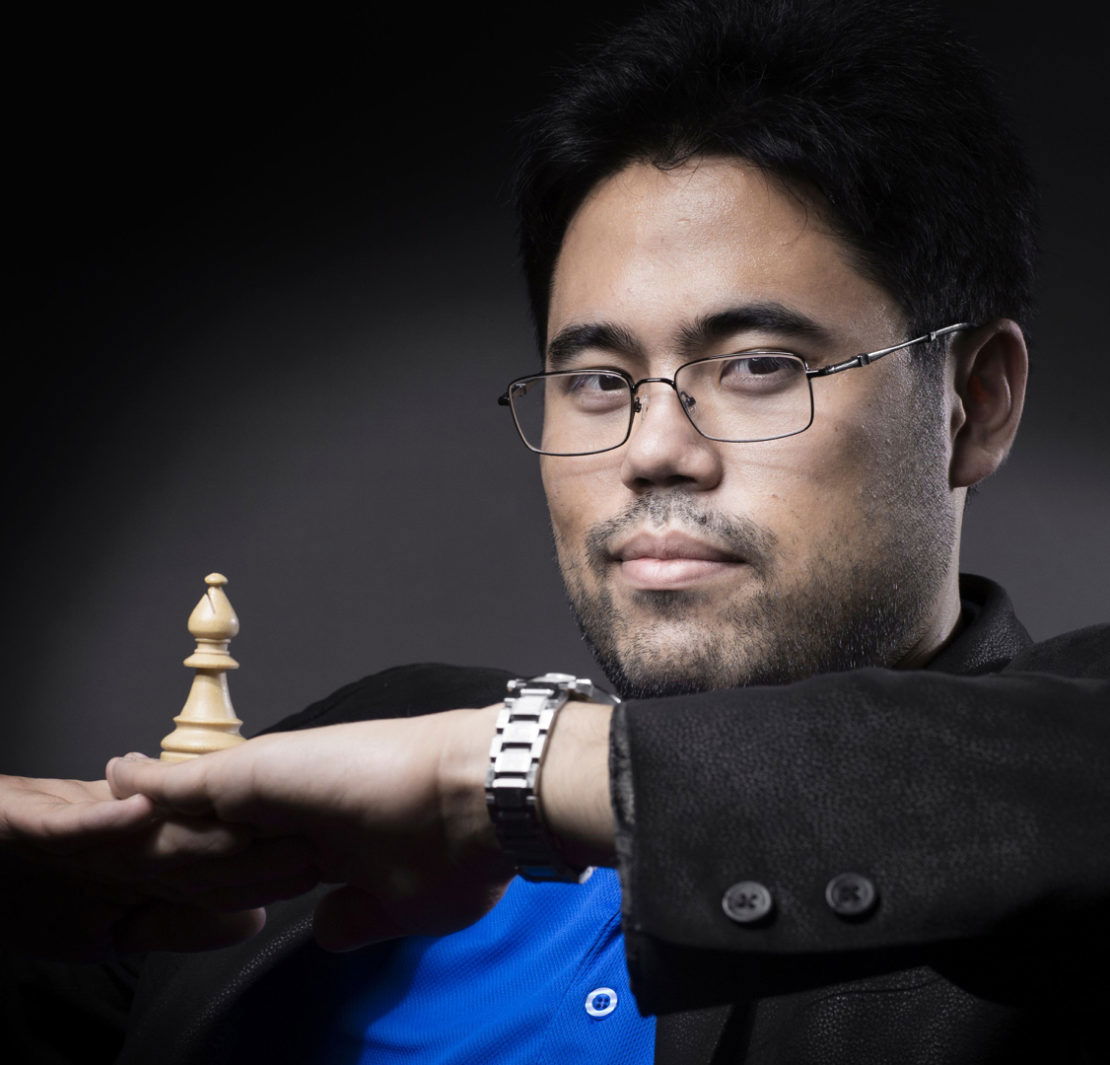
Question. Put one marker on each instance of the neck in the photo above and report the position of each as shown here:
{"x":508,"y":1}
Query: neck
{"x":940,"y":625}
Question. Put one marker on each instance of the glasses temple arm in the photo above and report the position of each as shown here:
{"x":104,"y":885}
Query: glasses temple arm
{"x":866,"y":358}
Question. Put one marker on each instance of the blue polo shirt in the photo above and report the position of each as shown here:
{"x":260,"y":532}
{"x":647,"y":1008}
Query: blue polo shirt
{"x":541,"y":979}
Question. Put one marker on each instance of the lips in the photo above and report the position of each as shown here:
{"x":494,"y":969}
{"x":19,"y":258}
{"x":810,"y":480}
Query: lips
{"x":657,"y":561}
{"x":671,"y":545}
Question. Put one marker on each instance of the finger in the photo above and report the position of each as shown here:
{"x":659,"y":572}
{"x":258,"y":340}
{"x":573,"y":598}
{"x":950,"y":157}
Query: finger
{"x":179,"y":842}
{"x":175,"y":927}
{"x":181,"y":786}
{"x":65,"y":828}
{"x":348,"y":918}
{"x":152,"y":858}
{"x":260,"y":861}
{"x":147,"y":858}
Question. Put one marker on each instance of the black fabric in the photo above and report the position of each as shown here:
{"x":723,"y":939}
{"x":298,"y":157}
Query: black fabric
{"x":403,"y":691}
{"x":54,"y":1013}
{"x":989,"y":634}
{"x":978,"y":805}
{"x":972,"y":793}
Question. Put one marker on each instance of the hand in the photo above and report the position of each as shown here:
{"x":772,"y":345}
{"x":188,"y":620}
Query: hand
{"x":84,"y":876}
{"x":394,"y":810}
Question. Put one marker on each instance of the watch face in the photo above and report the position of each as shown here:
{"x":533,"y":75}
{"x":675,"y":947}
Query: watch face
{"x":575,"y":687}
{"x":553,"y":683}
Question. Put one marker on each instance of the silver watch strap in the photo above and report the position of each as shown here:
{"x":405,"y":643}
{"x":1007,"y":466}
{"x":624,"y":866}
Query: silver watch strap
{"x":516,"y":754}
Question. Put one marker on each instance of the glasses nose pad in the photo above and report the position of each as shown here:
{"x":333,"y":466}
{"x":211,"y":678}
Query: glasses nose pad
{"x":640,"y":403}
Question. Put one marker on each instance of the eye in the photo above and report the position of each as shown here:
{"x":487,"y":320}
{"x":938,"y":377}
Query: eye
{"x":758,"y":372}
{"x":759,"y":365}
{"x":592,"y":392}
{"x":594,"y":382}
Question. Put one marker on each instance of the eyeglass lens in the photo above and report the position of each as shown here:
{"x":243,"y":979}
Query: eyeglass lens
{"x":738,"y":398}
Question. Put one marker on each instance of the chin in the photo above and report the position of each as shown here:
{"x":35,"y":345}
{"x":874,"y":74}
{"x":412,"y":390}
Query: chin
{"x":678,"y":657}
{"x":679,"y":643}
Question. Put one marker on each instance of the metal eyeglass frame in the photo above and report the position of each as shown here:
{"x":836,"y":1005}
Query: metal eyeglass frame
{"x":863,"y":359}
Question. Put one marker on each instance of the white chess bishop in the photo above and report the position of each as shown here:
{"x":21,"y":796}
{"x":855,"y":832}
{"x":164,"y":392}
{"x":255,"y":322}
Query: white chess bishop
{"x":207,"y":721}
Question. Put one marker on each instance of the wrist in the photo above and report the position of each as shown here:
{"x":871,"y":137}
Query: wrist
{"x":464,"y":759}
{"x":519,"y":750}
{"x":574,"y":785}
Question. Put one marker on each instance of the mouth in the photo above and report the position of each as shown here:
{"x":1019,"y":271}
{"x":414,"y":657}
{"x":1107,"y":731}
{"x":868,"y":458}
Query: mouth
{"x":671,"y":560}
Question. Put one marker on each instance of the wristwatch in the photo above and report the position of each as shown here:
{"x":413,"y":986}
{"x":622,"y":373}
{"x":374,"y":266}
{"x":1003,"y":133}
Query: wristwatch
{"x":512,"y":780}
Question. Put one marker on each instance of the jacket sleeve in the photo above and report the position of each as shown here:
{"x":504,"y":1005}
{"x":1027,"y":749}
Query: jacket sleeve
{"x":977,"y":807}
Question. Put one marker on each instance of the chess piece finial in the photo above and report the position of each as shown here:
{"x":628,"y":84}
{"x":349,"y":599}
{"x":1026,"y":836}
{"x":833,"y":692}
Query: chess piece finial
{"x":207,"y":721}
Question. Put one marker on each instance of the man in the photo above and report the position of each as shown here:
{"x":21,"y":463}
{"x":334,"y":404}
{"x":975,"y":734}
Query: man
{"x":778,"y":255}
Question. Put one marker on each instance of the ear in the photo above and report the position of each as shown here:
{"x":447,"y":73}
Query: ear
{"x":991,"y":367}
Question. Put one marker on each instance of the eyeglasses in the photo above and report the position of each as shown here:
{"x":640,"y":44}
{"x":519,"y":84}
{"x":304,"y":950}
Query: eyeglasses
{"x":744,"y":398}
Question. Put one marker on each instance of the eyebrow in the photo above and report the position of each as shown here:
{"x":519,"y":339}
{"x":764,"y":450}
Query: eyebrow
{"x":692,"y":337}
{"x":604,"y":336}
{"x":765,"y":317}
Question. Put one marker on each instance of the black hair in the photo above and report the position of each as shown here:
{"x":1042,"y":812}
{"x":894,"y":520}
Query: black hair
{"x":871,"y":110}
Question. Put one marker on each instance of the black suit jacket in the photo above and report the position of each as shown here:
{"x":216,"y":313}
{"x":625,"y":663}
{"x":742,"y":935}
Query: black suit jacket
{"x":974,"y":795}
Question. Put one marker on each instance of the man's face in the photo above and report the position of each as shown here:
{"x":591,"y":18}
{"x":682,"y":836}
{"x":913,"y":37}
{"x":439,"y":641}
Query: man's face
{"x":692,"y":563}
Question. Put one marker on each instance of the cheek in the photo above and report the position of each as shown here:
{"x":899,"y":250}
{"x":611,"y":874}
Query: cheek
{"x":575,"y":490}
{"x":553,"y":482}
{"x":867,"y":458}
{"x":810,"y":488}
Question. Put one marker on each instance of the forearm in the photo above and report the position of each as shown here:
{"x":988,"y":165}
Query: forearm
{"x":976,"y":806}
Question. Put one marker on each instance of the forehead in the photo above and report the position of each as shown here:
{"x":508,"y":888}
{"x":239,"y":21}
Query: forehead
{"x":652,"y":249}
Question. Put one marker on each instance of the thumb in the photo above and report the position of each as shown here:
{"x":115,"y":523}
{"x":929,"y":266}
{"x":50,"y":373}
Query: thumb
{"x":182,"y":786}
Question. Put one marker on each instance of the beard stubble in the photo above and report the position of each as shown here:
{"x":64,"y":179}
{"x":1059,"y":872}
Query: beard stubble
{"x":864,"y":602}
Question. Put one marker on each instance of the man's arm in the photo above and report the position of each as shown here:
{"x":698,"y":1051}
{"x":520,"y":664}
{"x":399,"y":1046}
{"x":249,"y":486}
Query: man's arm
{"x":974,"y":805}
{"x":393,"y":811}
{"x":977,"y":807}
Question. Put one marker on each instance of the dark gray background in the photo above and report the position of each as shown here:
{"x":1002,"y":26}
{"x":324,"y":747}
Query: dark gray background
{"x":269,"y":296}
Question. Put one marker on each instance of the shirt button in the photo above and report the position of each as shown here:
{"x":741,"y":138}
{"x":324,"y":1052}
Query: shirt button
{"x":851,"y":895}
{"x":601,"y":1001}
{"x":747,"y":902}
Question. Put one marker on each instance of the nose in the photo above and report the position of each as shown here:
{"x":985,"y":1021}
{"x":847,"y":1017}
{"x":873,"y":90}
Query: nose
{"x":665,"y":450}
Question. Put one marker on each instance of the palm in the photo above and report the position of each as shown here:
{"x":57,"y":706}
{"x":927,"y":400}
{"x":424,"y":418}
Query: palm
{"x":86,"y":876}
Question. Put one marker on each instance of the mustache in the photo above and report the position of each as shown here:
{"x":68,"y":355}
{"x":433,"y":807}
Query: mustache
{"x":681,"y":510}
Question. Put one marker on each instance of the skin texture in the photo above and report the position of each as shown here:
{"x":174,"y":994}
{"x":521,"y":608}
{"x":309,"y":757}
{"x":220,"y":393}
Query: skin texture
{"x":842,"y":541}
{"x":834,"y":547}
{"x":393,"y":812}
{"x":87,"y":877}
